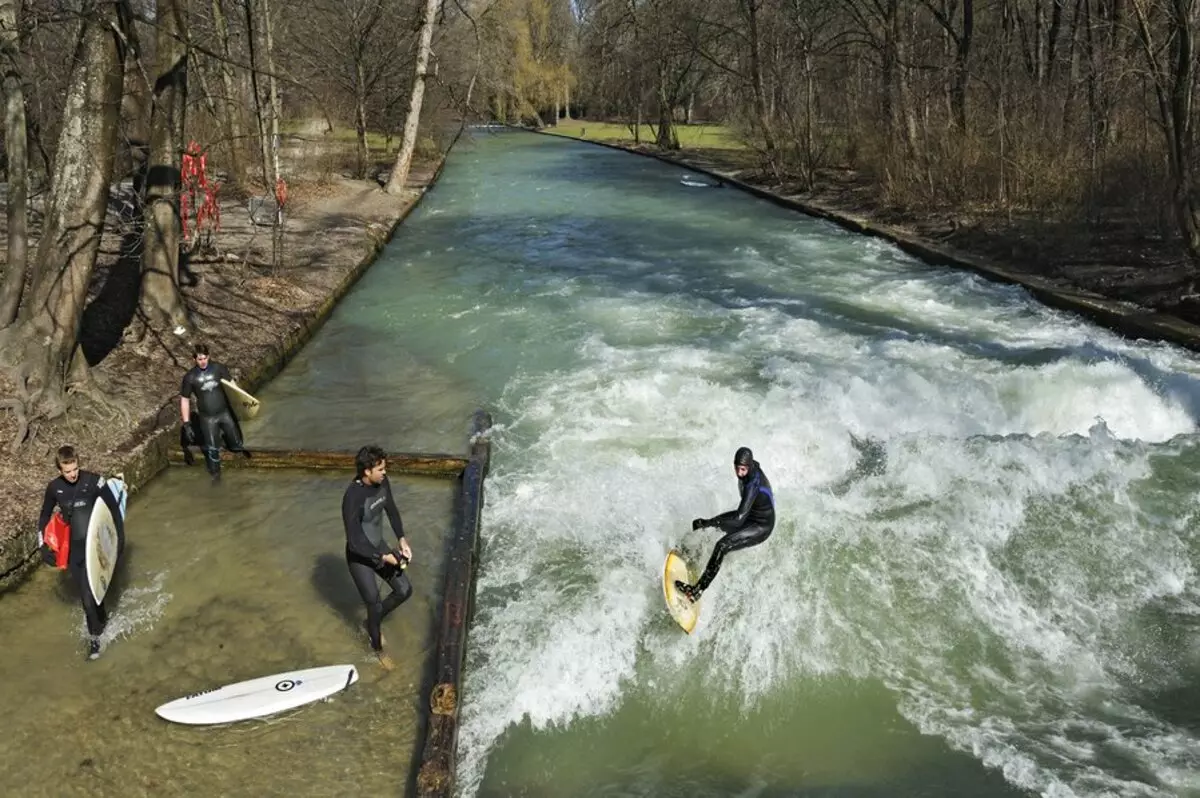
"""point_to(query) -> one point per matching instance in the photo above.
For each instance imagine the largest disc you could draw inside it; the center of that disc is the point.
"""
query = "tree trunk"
(161, 303)
(232, 118)
(566, 102)
(1174, 87)
(360, 118)
(810, 102)
(268, 26)
(17, 153)
(252, 41)
(758, 83)
(962, 66)
(666, 138)
(45, 338)
(399, 177)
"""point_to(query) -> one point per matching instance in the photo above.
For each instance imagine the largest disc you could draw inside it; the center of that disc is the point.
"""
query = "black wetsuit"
(75, 501)
(363, 508)
(750, 524)
(213, 417)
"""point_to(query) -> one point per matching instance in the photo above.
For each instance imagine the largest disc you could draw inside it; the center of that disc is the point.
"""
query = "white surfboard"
(257, 698)
(245, 406)
(102, 546)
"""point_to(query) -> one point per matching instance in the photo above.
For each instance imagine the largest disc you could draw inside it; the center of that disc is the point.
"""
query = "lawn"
(341, 135)
(700, 136)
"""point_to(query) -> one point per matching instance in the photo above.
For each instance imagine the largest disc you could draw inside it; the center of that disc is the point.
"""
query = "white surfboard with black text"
(257, 698)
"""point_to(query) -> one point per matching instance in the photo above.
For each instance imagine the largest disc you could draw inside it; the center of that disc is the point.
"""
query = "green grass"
(340, 135)
(690, 136)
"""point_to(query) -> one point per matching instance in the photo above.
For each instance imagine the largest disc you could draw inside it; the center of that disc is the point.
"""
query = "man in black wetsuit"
(214, 417)
(750, 524)
(74, 493)
(364, 504)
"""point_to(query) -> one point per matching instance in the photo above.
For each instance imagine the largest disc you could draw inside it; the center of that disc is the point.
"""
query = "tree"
(161, 303)
(399, 177)
(18, 159)
(42, 345)
(1173, 69)
(352, 49)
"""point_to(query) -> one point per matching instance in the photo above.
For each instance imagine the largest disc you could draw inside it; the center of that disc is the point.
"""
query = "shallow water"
(219, 585)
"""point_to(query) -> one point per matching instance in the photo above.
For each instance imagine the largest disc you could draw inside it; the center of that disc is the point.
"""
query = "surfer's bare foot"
(385, 661)
(382, 639)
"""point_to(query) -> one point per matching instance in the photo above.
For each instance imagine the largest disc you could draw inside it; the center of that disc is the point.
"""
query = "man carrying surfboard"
(364, 504)
(750, 524)
(214, 417)
(73, 493)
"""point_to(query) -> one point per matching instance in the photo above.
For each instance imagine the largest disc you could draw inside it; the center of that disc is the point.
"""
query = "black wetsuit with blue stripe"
(750, 524)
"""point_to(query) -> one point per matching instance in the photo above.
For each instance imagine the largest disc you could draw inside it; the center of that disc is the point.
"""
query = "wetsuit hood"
(745, 457)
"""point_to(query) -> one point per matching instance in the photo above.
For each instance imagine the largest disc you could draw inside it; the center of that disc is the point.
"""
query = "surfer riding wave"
(750, 524)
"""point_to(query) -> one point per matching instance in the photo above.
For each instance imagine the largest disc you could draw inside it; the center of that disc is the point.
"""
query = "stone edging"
(1126, 318)
(144, 455)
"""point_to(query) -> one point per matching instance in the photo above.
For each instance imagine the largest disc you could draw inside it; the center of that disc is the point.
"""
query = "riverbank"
(1140, 285)
(253, 315)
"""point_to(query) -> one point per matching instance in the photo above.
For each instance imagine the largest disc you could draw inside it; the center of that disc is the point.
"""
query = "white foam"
(991, 573)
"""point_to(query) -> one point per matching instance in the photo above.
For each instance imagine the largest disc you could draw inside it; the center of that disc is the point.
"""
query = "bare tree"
(399, 177)
(232, 118)
(354, 49)
(161, 303)
(43, 344)
(1173, 68)
(17, 156)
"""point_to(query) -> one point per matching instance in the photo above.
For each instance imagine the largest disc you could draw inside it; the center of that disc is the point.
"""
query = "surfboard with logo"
(259, 697)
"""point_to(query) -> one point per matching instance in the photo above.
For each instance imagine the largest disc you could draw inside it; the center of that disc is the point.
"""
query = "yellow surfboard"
(684, 611)
(244, 405)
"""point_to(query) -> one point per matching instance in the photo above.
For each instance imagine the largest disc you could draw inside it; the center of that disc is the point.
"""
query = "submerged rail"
(434, 465)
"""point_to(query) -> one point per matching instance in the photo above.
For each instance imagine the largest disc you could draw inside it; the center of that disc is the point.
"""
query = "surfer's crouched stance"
(366, 500)
(73, 493)
(750, 524)
(214, 419)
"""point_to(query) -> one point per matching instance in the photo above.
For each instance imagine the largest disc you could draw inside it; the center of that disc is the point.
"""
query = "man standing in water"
(750, 524)
(214, 417)
(73, 493)
(366, 500)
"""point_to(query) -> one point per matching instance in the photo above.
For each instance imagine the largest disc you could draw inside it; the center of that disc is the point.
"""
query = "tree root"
(100, 404)
(20, 408)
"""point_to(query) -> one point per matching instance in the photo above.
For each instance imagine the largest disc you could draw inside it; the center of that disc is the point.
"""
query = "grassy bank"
(692, 137)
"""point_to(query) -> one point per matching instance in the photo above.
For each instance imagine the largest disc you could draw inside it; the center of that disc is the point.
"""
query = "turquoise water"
(995, 594)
